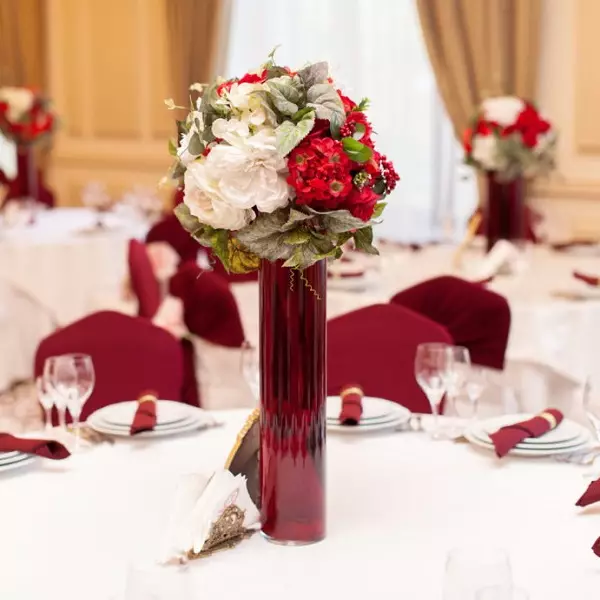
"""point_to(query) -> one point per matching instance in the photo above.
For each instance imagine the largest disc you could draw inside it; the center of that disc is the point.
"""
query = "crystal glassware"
(45, 398)
(431, 363)
(60, 402)
(474, 387)
(469, 570)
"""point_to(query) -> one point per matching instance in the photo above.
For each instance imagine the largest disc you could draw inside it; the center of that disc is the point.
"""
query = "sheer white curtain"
(375, 49)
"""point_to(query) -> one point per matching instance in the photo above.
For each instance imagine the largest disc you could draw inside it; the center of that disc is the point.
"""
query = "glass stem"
(62, 420)
(48, 417)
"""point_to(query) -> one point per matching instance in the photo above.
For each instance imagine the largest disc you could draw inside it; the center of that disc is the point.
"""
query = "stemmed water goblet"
(431, 363)
(59, 401)
(72, 378)
(45, 398)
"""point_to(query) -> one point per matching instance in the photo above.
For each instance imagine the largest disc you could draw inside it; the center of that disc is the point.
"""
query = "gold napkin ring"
(147, 398)
(351, 390)
(547, 416)
(254, 416)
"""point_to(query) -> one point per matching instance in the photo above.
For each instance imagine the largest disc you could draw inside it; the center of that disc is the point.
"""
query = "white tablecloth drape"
(397, 503)
(64, 263)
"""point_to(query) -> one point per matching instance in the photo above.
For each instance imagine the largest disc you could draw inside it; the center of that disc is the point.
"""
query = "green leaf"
(274, 72)
(285, 93)
(188, 221)
(299, 236)
(337, 221)
(363, 105)
(359, 131)
(182, 128)
(379, 186)
(219, 241)
(302, 113)
(271, 58)
(172, 148)
(288, 135)
(295, 217)
(326, 102)
(313, 74)
(265, 236)
(335, 124)
(195, 147)
(378, 210)
(363, 240)
(356, 151)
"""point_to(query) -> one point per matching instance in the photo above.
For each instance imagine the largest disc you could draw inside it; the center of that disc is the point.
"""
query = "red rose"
(320, 173)
(224, 87)
(320, 129)
(530, 125)
(361, 203)
(349, 105)
(254, 77)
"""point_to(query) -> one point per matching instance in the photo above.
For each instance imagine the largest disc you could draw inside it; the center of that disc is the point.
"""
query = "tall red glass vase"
(505, 217)
(292, 390)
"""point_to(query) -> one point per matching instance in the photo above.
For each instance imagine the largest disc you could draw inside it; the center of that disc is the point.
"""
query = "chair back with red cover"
(130, 355)
(375, 347)
(209, 307)
(26, 184)
(170, 231)
(144, 282)
(476, 317)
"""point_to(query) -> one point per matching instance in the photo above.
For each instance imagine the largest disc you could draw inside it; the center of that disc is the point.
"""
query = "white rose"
(19, 100)
(485, 152)
(183, 152)
(230, 130)
(249, 173)
(503, 110)
(240, 94)
(202, 198)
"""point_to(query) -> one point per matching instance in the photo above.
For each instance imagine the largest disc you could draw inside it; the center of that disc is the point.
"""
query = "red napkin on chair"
(590, 496)
(145, 415)
(351, 412)
(590, 280)
(45, 448)
(508, 437)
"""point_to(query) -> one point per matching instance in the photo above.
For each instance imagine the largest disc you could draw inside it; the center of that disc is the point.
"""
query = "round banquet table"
(397, 503)
(64, 263)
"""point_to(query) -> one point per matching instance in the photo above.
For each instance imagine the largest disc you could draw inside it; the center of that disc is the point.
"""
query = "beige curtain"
(481, 48)
(22, 43)
(197, 32)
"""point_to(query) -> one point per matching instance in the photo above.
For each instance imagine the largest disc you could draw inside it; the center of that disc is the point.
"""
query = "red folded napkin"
(45, 448)
(145, 415)
(351, 412)
(508, 437)
(347, 274)
(590, 496)
(590, 280)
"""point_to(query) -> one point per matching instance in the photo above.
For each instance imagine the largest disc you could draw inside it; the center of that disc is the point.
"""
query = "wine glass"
(474, 387)
(468, 570)
(250, 368)
(498, 592)
(456, 373)
(45, 398)
(59, 401)
(73, 378)
(431, 363)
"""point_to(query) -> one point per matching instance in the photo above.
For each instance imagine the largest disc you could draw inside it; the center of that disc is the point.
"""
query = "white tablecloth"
(557, 339)
(396, 504)
(63, 264)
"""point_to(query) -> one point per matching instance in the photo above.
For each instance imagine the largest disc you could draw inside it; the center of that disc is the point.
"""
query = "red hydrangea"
(320, 173)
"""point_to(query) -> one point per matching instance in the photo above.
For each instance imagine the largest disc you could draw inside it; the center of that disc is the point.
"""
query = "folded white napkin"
(198, 504)
(504, 257)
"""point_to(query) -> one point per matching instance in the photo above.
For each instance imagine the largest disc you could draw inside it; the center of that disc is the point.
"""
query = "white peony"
(183, 151)
(19, 100)
(240, 94)
(202, 198)
(503, 110)
(485, 152)
(247, 174)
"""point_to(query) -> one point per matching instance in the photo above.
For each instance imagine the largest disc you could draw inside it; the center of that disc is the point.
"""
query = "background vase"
(505, 217)
(292, 392)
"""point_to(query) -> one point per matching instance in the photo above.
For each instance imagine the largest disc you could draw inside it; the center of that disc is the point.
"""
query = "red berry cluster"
(389, 174)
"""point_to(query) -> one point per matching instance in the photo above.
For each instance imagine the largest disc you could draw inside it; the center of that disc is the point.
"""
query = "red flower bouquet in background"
(25, 116)
(510, 138)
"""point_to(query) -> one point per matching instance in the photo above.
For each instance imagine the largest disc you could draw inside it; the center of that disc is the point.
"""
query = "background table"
(63, 263)
(396, 504)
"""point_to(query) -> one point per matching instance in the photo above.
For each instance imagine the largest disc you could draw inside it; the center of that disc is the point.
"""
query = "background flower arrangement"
(508, 137)
(25, 116)
(279, 165)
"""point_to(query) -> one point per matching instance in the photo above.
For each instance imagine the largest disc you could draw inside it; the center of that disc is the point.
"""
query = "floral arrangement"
(279, 165)
(25, 117)
(509, 137)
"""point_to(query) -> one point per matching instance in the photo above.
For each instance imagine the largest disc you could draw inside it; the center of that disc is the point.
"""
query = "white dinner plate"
(567, 431)
(17, 464)
(12, 457)
(374, 409)
(564, 446)
(121, 413)
(4, 455)
(183, 423)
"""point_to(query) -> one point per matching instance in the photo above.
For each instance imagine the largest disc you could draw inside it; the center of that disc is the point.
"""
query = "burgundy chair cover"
(209, 308)
(375, 347)
(20, 186)
(144, 283)
(476, 317)
(130, 355)
(170, 231)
